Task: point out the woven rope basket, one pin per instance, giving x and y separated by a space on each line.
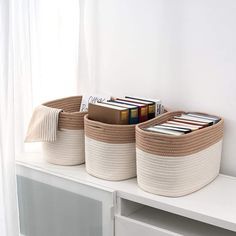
68 149
177 165
109 150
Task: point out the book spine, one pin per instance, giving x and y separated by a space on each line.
159 109
151 111
133 116
143 114
124 117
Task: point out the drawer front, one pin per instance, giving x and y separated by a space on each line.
128 227
53 206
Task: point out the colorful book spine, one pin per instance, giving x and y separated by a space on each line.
156 102
151 107
133 111
151 111
142 109
133 116
143 114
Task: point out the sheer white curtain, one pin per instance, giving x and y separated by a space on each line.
39 51
14 75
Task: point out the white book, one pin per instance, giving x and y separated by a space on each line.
181 129
207 117
92 98
186 117
120 104
164 131
177 124
110 106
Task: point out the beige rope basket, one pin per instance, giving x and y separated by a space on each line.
177 165
68 149
109 150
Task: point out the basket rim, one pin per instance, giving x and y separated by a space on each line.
61 100
74 112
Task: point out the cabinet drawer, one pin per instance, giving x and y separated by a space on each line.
129 227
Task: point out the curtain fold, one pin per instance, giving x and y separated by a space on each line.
88 47
8 196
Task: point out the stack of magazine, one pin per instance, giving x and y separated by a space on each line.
127 110
183 124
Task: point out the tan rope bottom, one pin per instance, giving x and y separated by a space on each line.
109 133
71 117
167 145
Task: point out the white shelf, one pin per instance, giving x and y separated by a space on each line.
215 204
174 224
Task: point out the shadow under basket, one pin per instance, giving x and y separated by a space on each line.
177 165
68 149
109 150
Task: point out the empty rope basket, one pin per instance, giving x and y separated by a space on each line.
177 165
109 150
68 148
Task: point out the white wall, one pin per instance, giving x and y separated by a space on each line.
183 52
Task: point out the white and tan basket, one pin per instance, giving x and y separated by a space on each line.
177 165
109 150
68 149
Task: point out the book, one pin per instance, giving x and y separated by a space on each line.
92 98
182 125
133 110
215 119
181 129
195 119
164 131
142 108
152 108
108 113
191 122
156 102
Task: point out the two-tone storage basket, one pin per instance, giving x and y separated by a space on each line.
68 149
177 165
109 150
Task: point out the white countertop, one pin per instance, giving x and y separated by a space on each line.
214 204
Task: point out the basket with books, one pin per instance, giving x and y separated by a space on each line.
59 125
178 153
110 137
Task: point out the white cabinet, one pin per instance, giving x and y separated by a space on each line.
67 201
53 206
